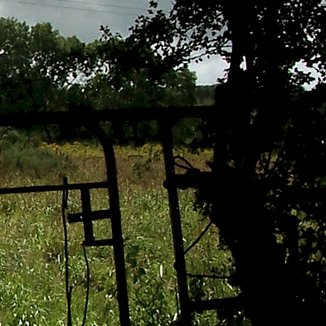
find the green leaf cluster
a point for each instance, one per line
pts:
(269, 142)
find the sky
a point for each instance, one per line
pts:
(83, 19)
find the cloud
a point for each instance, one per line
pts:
(75, 17)
(209, 70)
(83, 18)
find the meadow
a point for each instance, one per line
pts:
(32, 257)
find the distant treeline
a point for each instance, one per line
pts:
(40, 70)
(205, 94)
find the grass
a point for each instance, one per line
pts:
(32, 270)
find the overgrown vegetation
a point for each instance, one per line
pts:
(264, 110)
(267, 185)
(32, 270)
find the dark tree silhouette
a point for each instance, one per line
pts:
(268, 191)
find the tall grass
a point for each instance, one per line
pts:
(32, 269)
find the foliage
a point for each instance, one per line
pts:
(267, 185)
(36, 64)
(32, 249)
(269, 162)
(121, 82)
(205, 94)
(43, 71)
(21, 154)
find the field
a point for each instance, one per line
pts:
(32, 256)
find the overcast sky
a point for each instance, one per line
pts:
(84, 17)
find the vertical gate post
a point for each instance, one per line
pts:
(118, 249)
(180, 262)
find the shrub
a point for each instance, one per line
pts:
(23, 155)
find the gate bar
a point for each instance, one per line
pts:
(114, 203)
(83, 115)
(175, 217)
(48, 188)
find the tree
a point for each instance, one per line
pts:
(14, 59)
(205, 94)
(124, 79)
(268, 180)
(37, 64)
(121, 79)
(43, 71)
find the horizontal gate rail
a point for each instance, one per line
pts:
(49, 188)
(85, 115)
(89, 118)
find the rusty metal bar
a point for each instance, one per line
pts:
(49, 188)
(214, 304)
(175, 217)
(84, 115)
(87, 219)
(114, 202)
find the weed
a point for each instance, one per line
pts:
(32, 270)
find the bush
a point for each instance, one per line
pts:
(24, 155)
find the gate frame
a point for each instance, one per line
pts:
(89, 118)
